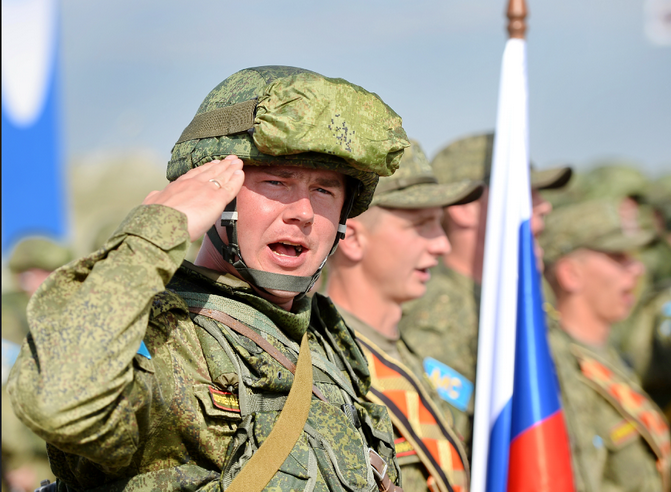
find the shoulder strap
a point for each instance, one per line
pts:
(245, 331)
(275, 449)
(634, 405)
(415, 417)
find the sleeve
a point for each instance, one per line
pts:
(580, 407)
(74, 382)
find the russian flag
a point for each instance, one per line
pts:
(32, 164)
(520, 440)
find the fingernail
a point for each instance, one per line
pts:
(229, 157)
(238, 171)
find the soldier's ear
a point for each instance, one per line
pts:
(569, 275)
(466, 216)
(354, 244)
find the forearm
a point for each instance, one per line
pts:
(87, 322)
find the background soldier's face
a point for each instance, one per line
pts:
(608, 281)
(400, 248)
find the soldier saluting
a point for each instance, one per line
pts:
(143, 372)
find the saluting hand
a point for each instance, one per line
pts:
(202, 193)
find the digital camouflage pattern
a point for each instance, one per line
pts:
(646, 346)
(608, 452)
(443, 324)
(595, 224)
(189, 413)
(38, 252)
(471, 158)
(605, 180)
(302, 119)
(414, 185)
(414, 474)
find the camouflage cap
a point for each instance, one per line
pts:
(594, 224)
(289, 116)
(471, 158)
(415, 186)
(614, 180)
(38, 252)
(658, 195)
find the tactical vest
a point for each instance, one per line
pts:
(423, 429)
(642, 415)
(334, 446)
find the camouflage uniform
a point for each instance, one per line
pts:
(609, 417)
(647, 346)
(608, 453)
(443, 324)
(21, 448)
(414, 474)
(133, 393)
(413, 187)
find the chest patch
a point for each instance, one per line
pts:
(452, 386)
(225, 400)
(622, 433)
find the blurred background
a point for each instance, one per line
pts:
(120, 81)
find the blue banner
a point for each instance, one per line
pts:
(32, 154)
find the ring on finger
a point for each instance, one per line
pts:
(215, 182)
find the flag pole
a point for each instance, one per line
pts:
(498, 307)
(517, 19)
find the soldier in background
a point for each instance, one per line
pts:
(442, 326)
(645, 340)
(24, 455)
(619, 438)
(383, 262)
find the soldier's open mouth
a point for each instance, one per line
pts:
(286, 249)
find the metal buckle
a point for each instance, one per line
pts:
(379, 476)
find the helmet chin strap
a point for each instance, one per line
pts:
(267, 280)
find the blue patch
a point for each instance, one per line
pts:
(598, 442)
(452, 386)
(144, 351)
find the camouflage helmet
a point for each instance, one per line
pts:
(286, 116)
(471, 158)
(38, 252)
(289, 116)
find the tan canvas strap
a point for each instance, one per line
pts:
(415, 417)
(633, 405)
(265, 462)
(223, 121)
(245, 331)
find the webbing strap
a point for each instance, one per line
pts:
(265, 462)
(259, 278)
(223, 121)
(245, 331)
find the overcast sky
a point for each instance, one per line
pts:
(134, 73)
